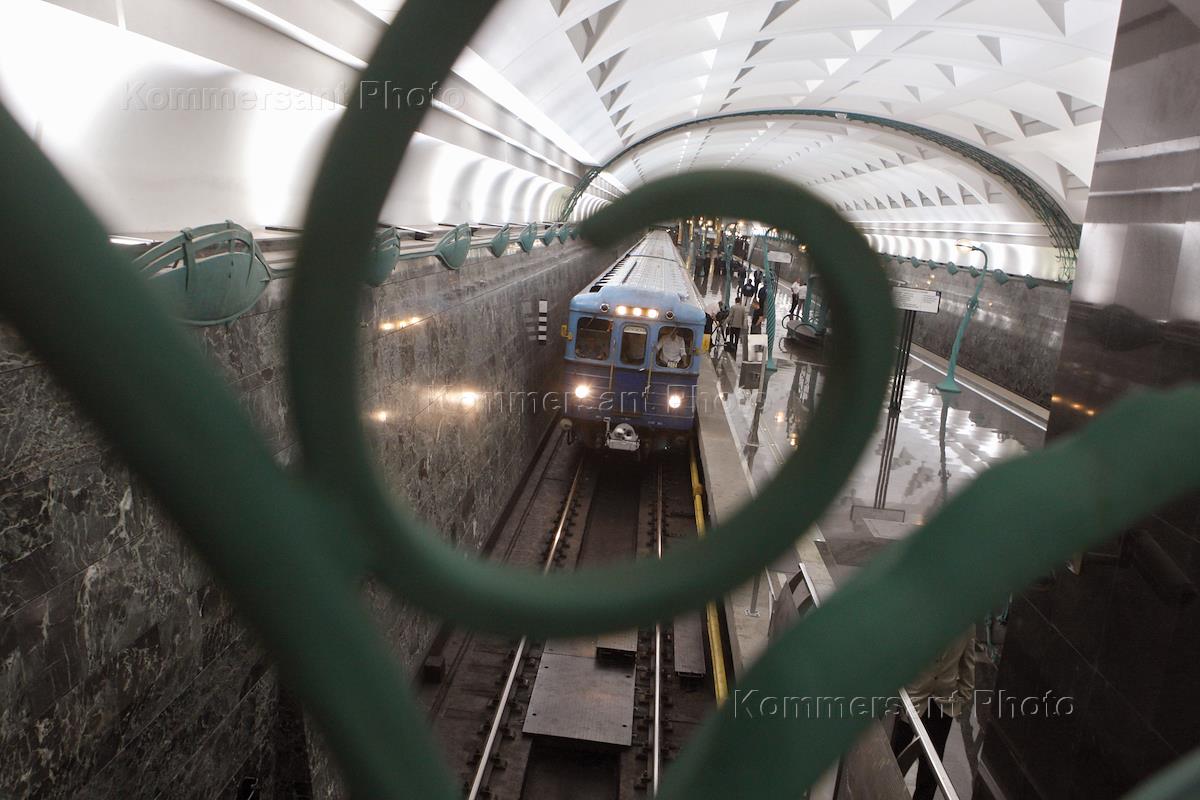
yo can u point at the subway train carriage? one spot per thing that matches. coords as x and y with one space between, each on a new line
634 339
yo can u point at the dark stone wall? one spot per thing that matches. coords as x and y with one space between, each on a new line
123 670
1122 636
1014 337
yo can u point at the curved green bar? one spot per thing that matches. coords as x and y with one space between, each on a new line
292 550
1015 522
548 236
564 231
499 244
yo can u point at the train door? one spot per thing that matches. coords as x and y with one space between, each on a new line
630 385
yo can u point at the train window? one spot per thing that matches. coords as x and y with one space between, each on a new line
674 348
592 338
633 344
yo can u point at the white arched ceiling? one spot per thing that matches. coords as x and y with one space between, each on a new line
552 85
1023 80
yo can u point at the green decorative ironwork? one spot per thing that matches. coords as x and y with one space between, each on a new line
999 275
499 243
1063 231
548 235
453 248
574 231
563 232
384 256
292 549
528 237
207 275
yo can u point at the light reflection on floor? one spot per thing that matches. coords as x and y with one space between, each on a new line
942 443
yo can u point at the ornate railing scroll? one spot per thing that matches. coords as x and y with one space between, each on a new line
292 549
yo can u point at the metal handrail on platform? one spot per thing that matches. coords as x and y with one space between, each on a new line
914 719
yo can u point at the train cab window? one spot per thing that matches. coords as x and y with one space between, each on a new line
592 338
674 348
633 344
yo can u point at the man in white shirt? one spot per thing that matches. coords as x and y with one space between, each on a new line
799 292
671 349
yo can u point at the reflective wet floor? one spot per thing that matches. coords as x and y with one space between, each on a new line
933 447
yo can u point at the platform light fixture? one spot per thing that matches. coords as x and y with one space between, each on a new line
129 241
966 246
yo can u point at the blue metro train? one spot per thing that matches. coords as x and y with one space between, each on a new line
634 339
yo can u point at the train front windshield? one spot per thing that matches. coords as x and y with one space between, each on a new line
592 338
633 344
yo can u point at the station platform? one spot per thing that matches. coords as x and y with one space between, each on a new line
942 443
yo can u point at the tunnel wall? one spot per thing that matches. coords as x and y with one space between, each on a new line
123 670
1014 337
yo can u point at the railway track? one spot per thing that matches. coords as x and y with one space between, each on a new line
579 718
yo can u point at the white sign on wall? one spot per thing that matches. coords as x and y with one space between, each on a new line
779 256
924 301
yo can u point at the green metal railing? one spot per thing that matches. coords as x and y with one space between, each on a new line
215 273
292 548
1058 223
999 275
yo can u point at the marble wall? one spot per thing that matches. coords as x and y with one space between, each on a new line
1014 337
1122 637
123 670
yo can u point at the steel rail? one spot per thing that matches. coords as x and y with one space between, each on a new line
485 754
292 548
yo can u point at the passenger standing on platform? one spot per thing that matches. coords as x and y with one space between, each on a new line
734 324
799 292
940 695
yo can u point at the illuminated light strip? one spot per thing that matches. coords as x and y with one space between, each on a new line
298 34
293 31
490 131
472 68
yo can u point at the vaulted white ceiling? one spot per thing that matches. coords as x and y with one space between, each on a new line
1023 80
555 84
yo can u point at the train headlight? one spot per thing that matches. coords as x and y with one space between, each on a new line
675 400
652 313
582 391
622 310
637 312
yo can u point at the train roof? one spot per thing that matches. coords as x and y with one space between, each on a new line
649 275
